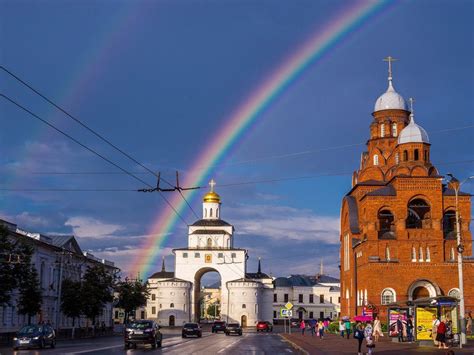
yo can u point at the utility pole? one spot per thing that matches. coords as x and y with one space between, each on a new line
456 185
58 300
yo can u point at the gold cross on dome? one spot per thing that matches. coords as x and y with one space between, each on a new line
389 59
212 183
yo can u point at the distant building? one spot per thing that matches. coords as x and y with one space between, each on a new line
312 296
55 257
175 297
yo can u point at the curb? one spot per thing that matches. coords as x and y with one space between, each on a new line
294 345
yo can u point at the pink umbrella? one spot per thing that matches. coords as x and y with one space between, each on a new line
363 318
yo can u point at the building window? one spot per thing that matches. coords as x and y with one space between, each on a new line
244 305
376 159
346 252
420 256
365 297
274 314
382 130
386 224
452 254
428 254
413 254
205 213
217 212
285 297
418 214
427 156
387 253
388 296
330 299
311 298
321 298
311 315
142 315
339 300
275 297
405 155
172 305
416 155
397 158
197 255
233 255
153 310
161 306
210 212
449 224
153 296
300 298
185 255
209 242
220 255
394 130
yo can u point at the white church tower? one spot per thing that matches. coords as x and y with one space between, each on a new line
245 297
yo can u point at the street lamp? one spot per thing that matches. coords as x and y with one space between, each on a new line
456 185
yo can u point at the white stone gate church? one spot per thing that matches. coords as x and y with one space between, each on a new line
175 296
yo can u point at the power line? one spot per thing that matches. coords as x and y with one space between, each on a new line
101 137
90 150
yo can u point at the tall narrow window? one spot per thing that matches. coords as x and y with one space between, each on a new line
413 254
382 130
217 213
420 257
405 155
426 155
428 254
210 212
376 159
365 298
205 213
209 242
394 130
397 158
387 253
451 256
417 154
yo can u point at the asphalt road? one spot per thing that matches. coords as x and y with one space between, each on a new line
249 343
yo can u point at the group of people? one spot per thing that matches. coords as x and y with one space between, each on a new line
315 327
405 330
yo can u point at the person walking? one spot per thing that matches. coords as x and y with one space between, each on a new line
321 329
347 324
377 329
434 329
469 323
441 334
400 329
359 335
302 326
368 335
410 328
326 324
342 327
312 324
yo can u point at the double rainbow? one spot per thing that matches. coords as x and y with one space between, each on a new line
242 118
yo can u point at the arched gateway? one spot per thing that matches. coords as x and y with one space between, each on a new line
211 249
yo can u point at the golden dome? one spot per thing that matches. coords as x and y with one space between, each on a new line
212 197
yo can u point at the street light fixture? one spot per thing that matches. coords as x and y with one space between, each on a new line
455 184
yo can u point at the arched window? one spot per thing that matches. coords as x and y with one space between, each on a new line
209 242
454 292
419 215
426 155
382 130
420 256
449 224
416 155
217 213
172 305
205 213
413 254
394 130
451 254
244 305
405 155
347 293
388 296
386 224
376 159
428 254
366 300
210 212
387 253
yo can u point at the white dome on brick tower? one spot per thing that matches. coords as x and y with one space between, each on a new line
413 133
390 100
211 207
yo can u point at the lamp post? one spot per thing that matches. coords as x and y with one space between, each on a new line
456 185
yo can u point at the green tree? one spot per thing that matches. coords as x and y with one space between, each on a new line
96 291
131 295
8 280
213 310
71 300
29 302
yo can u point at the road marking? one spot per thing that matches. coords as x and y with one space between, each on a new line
228 346
97 349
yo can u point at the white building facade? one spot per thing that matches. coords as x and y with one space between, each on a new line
55 257
175 297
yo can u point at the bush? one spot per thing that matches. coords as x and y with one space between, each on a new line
384 327
333 327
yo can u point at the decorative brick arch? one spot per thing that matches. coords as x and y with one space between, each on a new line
432 288
419 171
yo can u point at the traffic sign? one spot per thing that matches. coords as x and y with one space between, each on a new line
289 305
286 312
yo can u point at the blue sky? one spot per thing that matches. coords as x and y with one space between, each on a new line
158 78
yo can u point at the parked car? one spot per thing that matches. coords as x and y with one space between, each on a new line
29 336
233 328
142 332
264 326
191 329
218 326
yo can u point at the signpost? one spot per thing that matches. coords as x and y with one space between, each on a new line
287 313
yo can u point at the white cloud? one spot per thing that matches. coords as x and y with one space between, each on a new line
283 222
88 227
26 219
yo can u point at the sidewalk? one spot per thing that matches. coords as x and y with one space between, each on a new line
334 344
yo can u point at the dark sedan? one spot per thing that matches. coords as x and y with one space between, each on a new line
191 329
218 326
233 328
35 336
142 332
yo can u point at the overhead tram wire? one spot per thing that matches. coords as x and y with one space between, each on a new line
98 135
89 149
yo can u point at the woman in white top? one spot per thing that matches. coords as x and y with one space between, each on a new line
434 329
342 327
377 329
